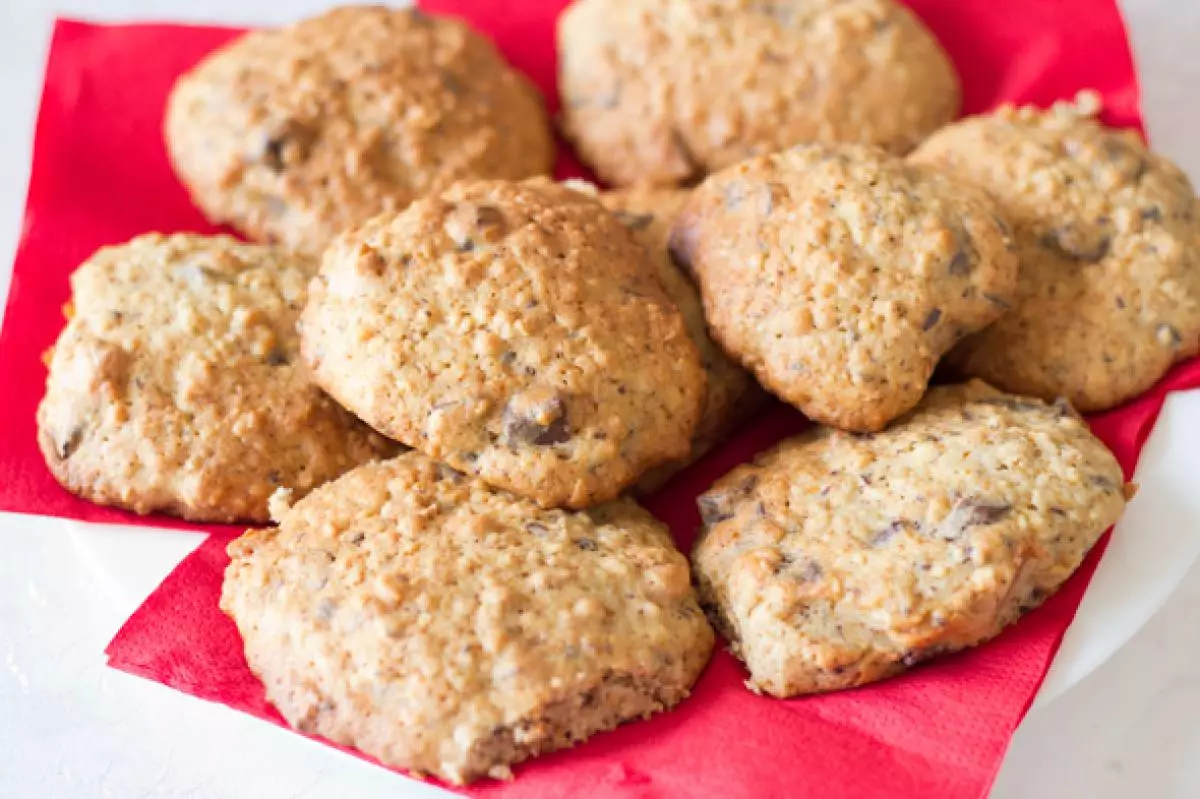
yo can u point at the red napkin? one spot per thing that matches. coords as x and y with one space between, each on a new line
100 175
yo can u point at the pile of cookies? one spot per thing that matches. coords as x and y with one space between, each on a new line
444 375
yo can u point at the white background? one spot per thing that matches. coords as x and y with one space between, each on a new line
71 728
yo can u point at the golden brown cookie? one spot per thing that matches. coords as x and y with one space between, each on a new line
666 91
515 331
839 275
1109 239
836 559
733 395
293 135
177 384
452 629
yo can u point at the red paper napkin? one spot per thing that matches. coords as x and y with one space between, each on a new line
100 175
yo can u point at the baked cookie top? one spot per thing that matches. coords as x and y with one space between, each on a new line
515 331
1109 240
665 91
838 559
177 385
732 394
839 275
452 629
294 134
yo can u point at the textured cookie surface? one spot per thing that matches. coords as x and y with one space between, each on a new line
1109 240
732 395
177 385
665 91
839 275
292 135
513 331
451 629
836 559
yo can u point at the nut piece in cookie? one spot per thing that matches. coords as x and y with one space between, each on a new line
836 560
1109 239
733 395
177 384
451 629
294 134
666 91
839 275
515 331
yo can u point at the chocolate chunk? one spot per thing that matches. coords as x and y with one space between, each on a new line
1168 336
272 155
1152 214
931 319
634 221
67 447
972 512
277 358
1102 482
888 533
1120 301
540 423
488 216
1063 408
274 477
695 169
713 509
586 544
1085 244
1002 223
452 83
717 507
801 569
960 264
286 145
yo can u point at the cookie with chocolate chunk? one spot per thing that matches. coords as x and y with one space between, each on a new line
294 134
515 331
1109 240
732 394
835 559
666 91
451 629
177 384
839 275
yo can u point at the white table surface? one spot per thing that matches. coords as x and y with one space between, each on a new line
69 727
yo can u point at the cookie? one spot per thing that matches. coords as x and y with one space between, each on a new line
732 394
177 384
292 135
1109 241
839 275
666 91
451 629
836 560
513 331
